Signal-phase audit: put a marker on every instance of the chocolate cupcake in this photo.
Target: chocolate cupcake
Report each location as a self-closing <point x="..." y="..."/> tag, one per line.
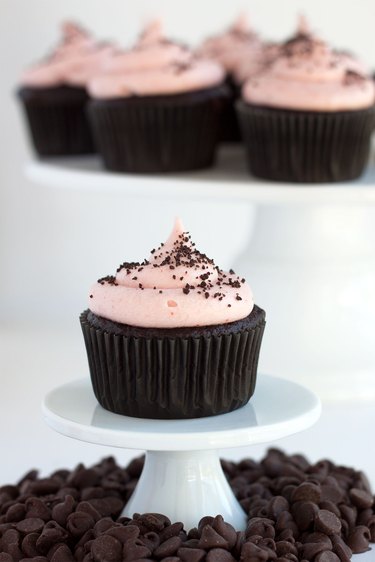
<point x="174" y="336"/>
<point x="308" y="116"/>
<point x="54" y="97"/>
<point x="157" y="108"/>
<point x="241" y="52"/>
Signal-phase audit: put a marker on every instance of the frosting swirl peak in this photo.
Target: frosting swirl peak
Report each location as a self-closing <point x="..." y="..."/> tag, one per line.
<point x="306" y="74"/>
<point x="238" y="46"/>
<point x="178" y="286"/>
<point x="74" y="61"/>
<point x="155" y="66"/>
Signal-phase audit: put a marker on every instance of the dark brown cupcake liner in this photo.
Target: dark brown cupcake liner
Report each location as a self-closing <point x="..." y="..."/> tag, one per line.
<point x="57" y="120"/>
<point x="306" y="146"/>
<point x="173" y="378"/>
<point x="229" y="126"/>
<point x="158" y="133"/>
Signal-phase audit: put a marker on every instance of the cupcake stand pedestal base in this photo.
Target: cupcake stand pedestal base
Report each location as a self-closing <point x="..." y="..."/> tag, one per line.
<point x="182" y="477"/>
<point x="310" y="259"/>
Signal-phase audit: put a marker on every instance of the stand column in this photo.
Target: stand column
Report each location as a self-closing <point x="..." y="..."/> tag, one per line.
<point x="189" y="485"/>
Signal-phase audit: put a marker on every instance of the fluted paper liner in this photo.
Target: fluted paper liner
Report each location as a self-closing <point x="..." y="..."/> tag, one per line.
<point x="306" y="146"/>
<point x="171" y="378"/>
<point x="57" y="120"/>
<point x="158" y="133"/>
<point x="229" y="126"/>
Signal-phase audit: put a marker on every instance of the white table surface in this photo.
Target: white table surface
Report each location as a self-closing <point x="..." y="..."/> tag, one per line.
<point x="34" y="360"/>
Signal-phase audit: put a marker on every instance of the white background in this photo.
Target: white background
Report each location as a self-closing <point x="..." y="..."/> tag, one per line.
<point x="54" y="244"/>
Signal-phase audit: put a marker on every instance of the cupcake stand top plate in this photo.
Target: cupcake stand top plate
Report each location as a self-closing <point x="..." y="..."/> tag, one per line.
<point x="182" y="477"/>
<point x="228" y="179"/>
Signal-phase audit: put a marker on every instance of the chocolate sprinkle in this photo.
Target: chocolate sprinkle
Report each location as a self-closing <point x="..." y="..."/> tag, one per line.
<point x="184" y="254"/>
<point x="75" y="516"/>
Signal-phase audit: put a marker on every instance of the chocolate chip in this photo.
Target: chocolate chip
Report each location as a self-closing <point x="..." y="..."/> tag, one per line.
<point x="285" y="547"/>
<point x="133" y="550"/>
<point x="211" y="539"/>
<point x="359" y="539"/>
<point x="154" y="521"/>
<point x="219" y="555"/>
<point x="35" y="507"/>
<point x="225" y="530"/>
<point x="83" y="478"/>
<point x="330" y="506"/>
<point x="44" y="487"/>
<point x="123" y="534"/>
<point x="104" y="524"/>
<point x="276" y="506"/>
<point x="349" y="514"/>
<point x="35" y="559"/>
<point x="307" y="492"/>
<point x="30" y="525"/>
<point x="260" y="526"/>
<point x="168" y="547"/>
<point x="327" y="522"/>
<point x="191" y="543"/>
<point x="361" y="498"/>
<point x="89" y="509"/>
<point x="11" y="543"/>
<point x="78" y="523"/>
<point x="191" y="554"/>
<point x="331" y="493"/>
<point x="171" y="531"/>
<point x="341" y="549"/>
<point x="371" y="527"/>
<point x="310" y="550"/>
<point x="108" y="549"/>
<point x="251" y="552"/>
<point x="15" y="512"/>
<point x="304" y="514"/>
<point x="62" y="510"/>
<point x="62" y="553"/>
<point x="327" y="556"/>
<point x="52" y="534"/>
<point x="107" y="506"/>
<point x="29" y="544"/>
<point x="205" y="521"/>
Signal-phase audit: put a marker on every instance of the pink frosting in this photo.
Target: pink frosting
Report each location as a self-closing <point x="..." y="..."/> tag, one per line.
<point x="238" y="49"/>
<point x="176" y="287"/>
<point x="308" y="75"/>
<point x="152" y="51"/>
<point x="172" y="79"/>
<point x="74" y="61"/>
<point x="155" y="66"/>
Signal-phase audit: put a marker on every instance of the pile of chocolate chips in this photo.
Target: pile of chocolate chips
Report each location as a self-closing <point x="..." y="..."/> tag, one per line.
<point x="296" y="511"/>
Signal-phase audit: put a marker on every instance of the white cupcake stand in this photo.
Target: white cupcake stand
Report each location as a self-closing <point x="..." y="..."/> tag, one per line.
<point x="310" y="259"/>
<point x="182" y="477"/>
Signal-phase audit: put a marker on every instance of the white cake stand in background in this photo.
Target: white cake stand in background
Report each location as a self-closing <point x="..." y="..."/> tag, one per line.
<point x="310" y="260"/>
<point x="182" y="477"/>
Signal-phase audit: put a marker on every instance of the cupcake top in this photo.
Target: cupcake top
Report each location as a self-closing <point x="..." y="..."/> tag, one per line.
<point x="151" y="51"/>
<point x="155" y="66"/>
<point x="238" y="49"/>
<point x="306" y="74"/>
<point x="177" y="286"/>
<point x="73" y="62"/>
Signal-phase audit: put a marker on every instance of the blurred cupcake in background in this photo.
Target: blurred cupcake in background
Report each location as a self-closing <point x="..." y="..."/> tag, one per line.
<point x="308" y="115"/>
<point x="240" y="51"/>
<point x="54" y="96"/>
<point x="157" y="107"/>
